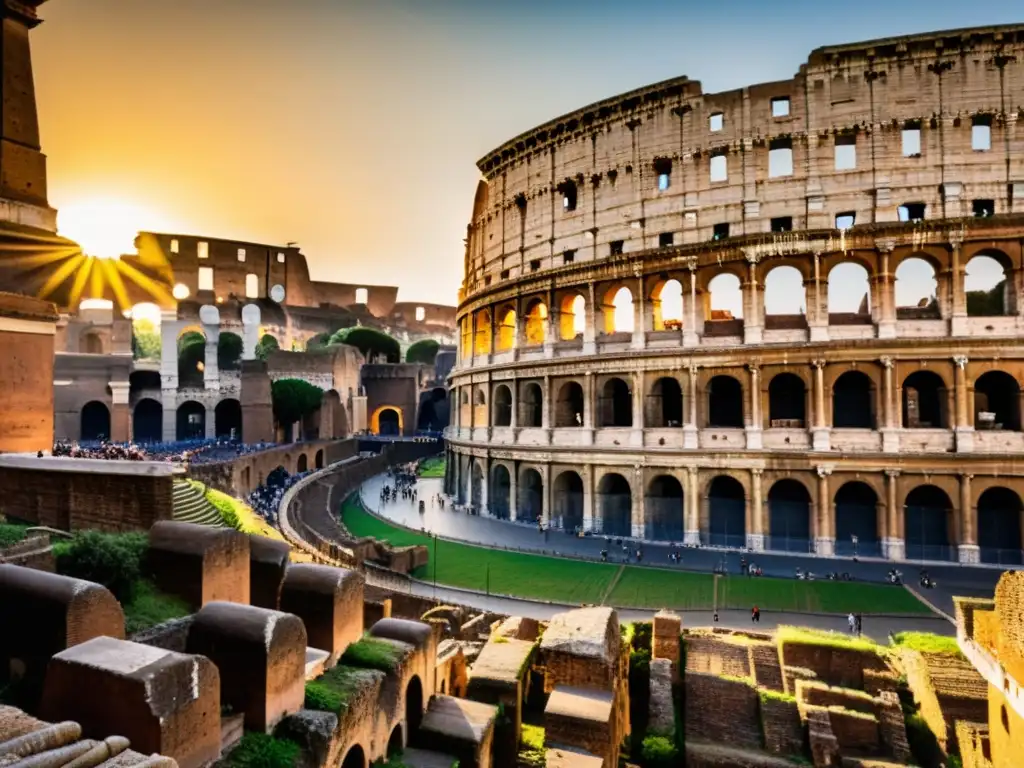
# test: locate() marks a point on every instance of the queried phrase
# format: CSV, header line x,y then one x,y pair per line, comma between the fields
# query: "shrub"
x,y
807,636
294,399
265,346
260,750
659,752
149,607
11,534
229,351
424,351
111,559
370,342
927,643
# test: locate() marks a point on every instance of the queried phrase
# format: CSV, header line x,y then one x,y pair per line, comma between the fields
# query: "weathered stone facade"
x,y
575,405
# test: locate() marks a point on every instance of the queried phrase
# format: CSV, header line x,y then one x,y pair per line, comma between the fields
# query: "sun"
x,y
105,228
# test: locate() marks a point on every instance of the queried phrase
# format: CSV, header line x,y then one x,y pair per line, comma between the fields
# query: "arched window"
x,y
536,322
615,505
506,330
927,517
789,511
665,404
849,294
531,405
95,422
252,286
572,317
916,290
569,405
482,340
999,526
725,402
997,401
618,311
667,306
785,297
725,298
853,401
568,501
502,406
531,496
92,344
726,513
501,487
924,401
787,401
856,509
616,405
663,509
987,289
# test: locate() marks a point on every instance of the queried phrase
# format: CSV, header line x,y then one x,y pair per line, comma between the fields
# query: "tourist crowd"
x,y
179,451
266,500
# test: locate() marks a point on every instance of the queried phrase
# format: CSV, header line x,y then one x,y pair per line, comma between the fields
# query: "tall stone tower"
x,y
22,163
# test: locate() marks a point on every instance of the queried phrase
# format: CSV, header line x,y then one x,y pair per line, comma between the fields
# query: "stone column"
x,y
550,327
514,415
958,323
639,324
893,542
691,324
120,413
757,531
211,372
753,325
587,474
963,428
589,406
690,435
546,494
513,493
545,409
753,428
885,296
691,532
590,324
890,434
638,499
824,534
821,434
819,291
968,551
636,435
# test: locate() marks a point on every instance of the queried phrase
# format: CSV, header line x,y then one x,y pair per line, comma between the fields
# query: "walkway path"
x,y
953,579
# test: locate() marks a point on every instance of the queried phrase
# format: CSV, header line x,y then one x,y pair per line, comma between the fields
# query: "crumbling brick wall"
x,y
716,656
766,667
823,743
722,709
843,667
891,726
947,689
32,552
1010,612
781,725
855,732
818,694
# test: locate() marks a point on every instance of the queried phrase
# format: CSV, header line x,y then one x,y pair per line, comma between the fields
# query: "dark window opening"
x,y
787,401
782,224
530,406
789,512
912,212
984,208
505,274
725,402
924,401
615,248
665,404
569,406
727,512
996,401
568,257
853,401
720,231
535,265
568,190
616,404
665,239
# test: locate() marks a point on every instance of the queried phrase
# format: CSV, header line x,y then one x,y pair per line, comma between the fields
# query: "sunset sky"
x,y
353,128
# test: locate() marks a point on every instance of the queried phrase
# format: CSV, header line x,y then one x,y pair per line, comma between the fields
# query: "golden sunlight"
x,y
105,229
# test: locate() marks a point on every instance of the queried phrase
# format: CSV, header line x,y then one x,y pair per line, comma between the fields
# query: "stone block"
x,y
461,728
568,758
666,631
48,614
582,648
582,718
268,560
518,627
199,564
330,603
662,721
161,701
261,656
499,676
418,634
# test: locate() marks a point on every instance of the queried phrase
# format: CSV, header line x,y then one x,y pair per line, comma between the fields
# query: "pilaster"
x,y
821,435
756,533
753,427
691,530
890,434
824,538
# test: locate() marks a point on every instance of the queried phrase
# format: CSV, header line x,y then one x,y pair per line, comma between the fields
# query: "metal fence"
x,y
1000,556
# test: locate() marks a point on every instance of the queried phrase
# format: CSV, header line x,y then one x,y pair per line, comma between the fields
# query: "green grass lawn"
x,y
579,581
432,467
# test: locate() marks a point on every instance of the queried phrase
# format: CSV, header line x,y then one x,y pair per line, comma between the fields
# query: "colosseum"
x,y
689,317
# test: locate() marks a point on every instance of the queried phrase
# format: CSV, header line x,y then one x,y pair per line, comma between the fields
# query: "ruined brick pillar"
x,y
27,330
257,409
665,642
120,412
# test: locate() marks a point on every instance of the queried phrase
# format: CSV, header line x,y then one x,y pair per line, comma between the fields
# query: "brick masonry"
x,y
723,710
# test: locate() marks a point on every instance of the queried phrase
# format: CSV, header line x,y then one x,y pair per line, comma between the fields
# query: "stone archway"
x,y
568,501
856,511
789,512
927,516
663,509
147,421
387,420
191,421
227,419
615,505
95,422
727,508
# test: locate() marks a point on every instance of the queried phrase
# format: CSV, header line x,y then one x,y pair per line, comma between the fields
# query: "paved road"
x,y
953,579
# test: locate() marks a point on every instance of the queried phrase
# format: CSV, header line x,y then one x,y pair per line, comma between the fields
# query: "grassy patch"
x,y
661,588
807,636
240,515
432,467
816,596
768,695
149,606
260,750
532,753
332,690
927,643
371,653
12,533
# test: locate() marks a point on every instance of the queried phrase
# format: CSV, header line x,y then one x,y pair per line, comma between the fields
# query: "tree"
x,y
318,342
987,303
146,343
229,351
423,351
191,354
294,399
370,342
265,346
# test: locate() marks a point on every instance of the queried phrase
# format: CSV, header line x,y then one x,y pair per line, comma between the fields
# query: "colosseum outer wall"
x,y
889,429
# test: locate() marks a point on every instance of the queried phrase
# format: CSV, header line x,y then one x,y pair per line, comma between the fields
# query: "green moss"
x,y
11,533
532,752
111,559
371,653
767,695
260,750
659,752
149,606
332,691
806,636
735,679
927,643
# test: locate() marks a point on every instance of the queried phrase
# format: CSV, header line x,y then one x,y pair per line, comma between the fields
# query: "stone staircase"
x,y
191,506
764,661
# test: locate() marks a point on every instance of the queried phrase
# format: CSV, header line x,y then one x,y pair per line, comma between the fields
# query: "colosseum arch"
x,y
569,404
354,758
505,336
723,303
568,501
302,463
665,299
191,421
857,511
227,418
664,406
147,421
787,401
785,297
387,420
724,402
988,282
572,316
530,504
789,516
530,410
615,505
853,401
726,512
616,309
500,492
929,524
615,404
501,406
916,289
477,493
999,527
850,298
466,329
94,422
536,325
482,333
925,401
663,509
997,397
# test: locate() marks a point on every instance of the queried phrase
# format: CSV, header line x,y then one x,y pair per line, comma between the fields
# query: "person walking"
x,y
852,621
859,623
755,615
